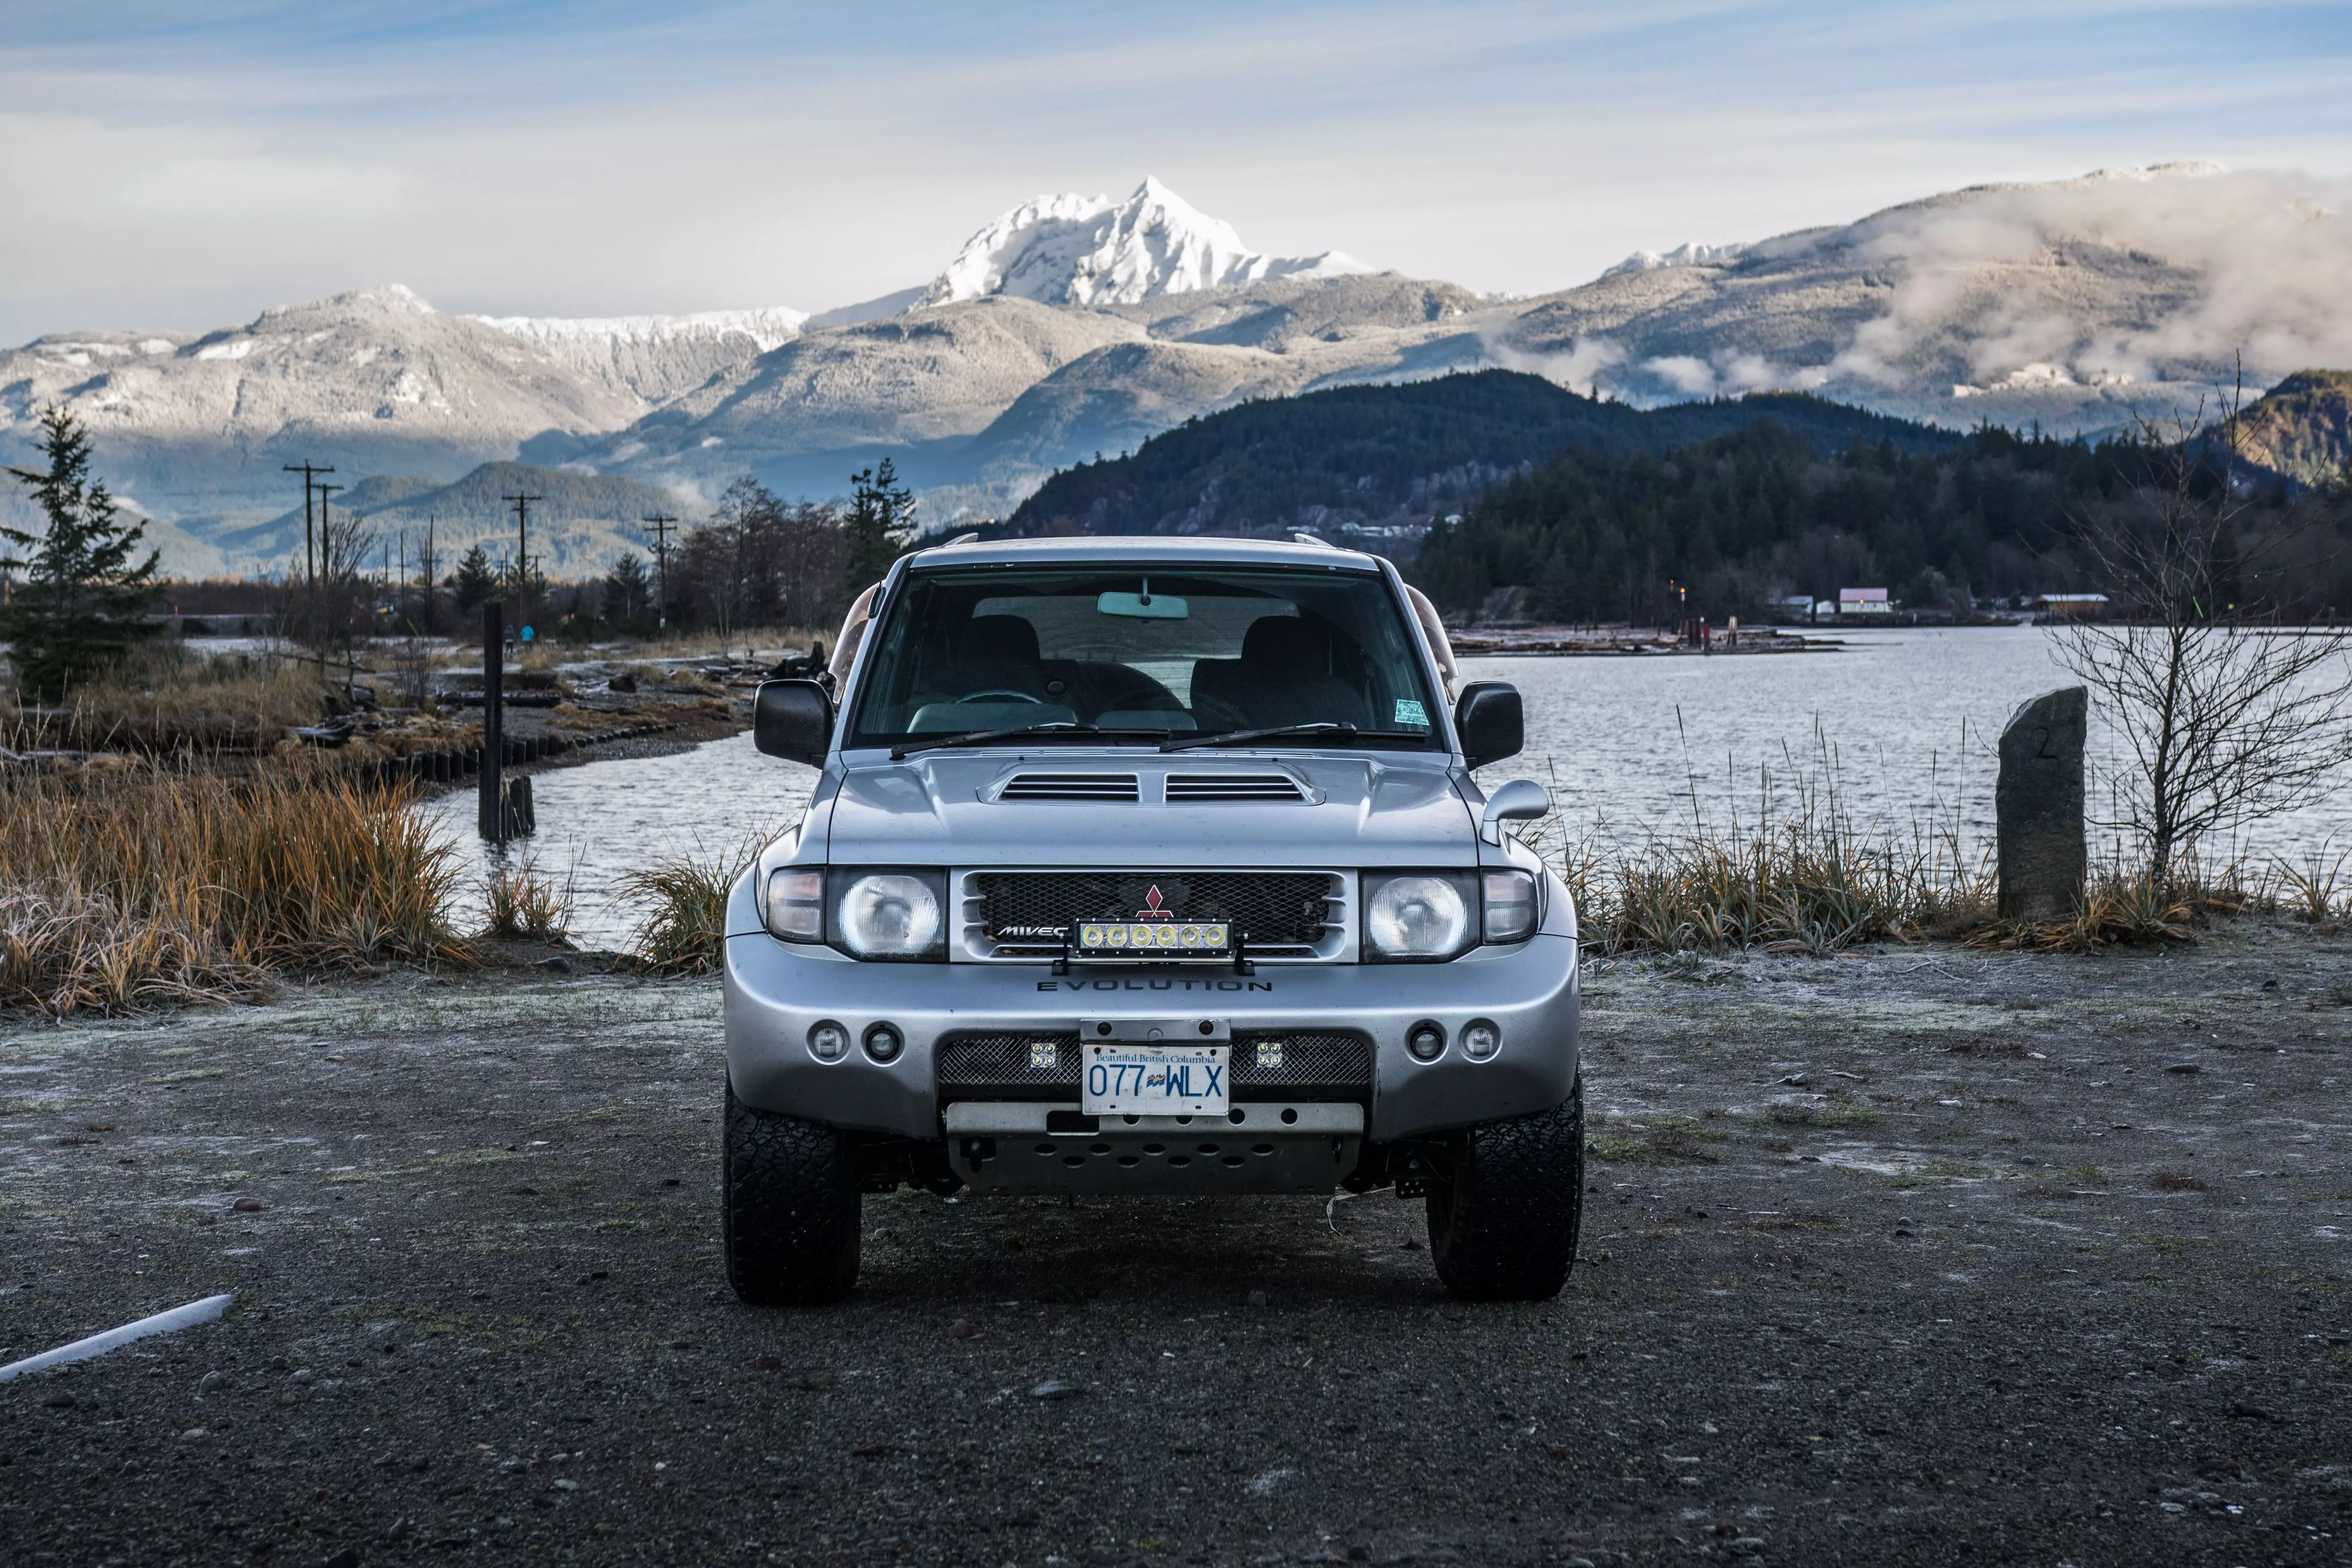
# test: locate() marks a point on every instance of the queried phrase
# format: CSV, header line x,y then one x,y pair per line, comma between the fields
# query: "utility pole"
x,y
309,472
522,545
661,524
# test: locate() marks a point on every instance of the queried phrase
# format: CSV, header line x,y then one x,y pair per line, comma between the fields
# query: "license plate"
x,y
1154,1081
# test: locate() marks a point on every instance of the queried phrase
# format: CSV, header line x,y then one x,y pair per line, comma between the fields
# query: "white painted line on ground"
x,y
186,1317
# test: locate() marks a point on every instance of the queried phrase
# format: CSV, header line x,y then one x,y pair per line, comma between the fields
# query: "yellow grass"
x,y
525,905
684,928
166,700
142,884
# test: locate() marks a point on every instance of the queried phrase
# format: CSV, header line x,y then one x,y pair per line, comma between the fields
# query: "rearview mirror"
x,y
1144,607
1488,722
792,720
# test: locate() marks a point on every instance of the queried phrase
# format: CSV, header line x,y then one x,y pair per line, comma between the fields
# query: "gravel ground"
x,y
1931,1256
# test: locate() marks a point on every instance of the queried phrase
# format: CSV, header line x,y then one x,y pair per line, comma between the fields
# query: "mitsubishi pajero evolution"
x,y
1150,866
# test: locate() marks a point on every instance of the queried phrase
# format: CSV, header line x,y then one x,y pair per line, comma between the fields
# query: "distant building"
x,y
1863,602
2071,606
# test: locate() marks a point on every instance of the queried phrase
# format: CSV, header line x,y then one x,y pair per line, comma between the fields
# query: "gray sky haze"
x,y
182,166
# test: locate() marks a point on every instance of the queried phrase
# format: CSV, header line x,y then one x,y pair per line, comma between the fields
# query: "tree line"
x,y
78,594
1733,524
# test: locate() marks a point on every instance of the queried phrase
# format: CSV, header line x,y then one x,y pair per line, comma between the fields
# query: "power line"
x,y
309,472
522,540
662,523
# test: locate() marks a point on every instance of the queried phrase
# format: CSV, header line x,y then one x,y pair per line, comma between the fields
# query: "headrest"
x,y
1009,638
1288,644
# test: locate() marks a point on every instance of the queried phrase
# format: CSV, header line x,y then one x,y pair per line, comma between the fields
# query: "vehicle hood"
x,y
947,808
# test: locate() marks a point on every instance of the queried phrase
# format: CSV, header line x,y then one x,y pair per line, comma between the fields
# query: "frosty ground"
x,y
1992,1283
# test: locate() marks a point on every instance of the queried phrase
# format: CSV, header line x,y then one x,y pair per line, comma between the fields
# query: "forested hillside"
x,y
1745,519
1404,453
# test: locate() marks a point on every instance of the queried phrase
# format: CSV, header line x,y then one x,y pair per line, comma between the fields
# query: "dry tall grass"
x,y
144,884
168,699
1814,886
525,905
685,898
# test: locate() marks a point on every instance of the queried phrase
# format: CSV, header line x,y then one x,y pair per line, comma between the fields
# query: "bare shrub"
x,y
2229,715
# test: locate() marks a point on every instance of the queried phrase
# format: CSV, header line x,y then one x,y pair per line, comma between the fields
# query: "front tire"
x,y
792,1208
1503,1226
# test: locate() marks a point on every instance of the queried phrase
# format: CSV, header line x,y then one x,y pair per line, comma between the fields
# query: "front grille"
x,y
1289,908
1187,788
1070,786
1295,1064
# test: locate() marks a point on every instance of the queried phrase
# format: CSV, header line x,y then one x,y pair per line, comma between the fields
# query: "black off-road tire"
x,y
1503,1227
792,1208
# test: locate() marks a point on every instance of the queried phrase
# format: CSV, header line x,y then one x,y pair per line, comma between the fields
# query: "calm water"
x,y
1900,725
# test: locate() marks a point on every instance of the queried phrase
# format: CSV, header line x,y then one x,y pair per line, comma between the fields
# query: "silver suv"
x,y
1150,866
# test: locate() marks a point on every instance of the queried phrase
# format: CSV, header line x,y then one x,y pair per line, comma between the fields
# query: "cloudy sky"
x,y
183,166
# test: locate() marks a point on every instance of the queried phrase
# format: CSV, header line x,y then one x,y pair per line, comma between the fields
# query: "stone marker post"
x,y
2039,806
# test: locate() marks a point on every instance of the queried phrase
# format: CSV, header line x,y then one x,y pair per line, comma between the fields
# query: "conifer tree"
x,y
881,518
83,604
628,590
475,580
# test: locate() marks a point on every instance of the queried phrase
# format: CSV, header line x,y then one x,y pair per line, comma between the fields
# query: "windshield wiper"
x,y
906,749
1282,731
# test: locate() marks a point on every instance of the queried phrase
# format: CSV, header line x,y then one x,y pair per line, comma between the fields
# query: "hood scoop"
x,y
1186,789
1116,787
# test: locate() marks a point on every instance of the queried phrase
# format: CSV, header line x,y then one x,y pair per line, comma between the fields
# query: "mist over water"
x,y
1899,727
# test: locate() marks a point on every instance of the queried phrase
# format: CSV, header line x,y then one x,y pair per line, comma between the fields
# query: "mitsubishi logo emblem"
x,y
1153,910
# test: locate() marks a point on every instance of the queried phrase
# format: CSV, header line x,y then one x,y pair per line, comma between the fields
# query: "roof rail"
x,y
962,539
1310,539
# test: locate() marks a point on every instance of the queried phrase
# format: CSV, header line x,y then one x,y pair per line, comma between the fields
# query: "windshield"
x,y
1181,653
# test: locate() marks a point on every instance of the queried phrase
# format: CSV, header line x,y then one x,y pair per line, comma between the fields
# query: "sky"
x,y
180,166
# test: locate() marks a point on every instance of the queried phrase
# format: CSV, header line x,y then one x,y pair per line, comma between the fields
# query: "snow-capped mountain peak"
x,y
1071,250
1688,254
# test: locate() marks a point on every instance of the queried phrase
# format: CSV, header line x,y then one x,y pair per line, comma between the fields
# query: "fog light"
x,y
1480,1039
883,1044
1426,1041
828,1041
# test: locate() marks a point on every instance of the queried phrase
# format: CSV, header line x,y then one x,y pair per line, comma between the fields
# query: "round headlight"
x,y
884,1042
828,1041
1480,1039
1426,1041
889,916
1417,917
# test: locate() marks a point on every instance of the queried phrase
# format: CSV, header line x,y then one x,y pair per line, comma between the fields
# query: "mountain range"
x,y
1074,326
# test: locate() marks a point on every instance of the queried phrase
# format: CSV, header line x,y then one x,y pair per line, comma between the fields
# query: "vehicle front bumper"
x,y
776,991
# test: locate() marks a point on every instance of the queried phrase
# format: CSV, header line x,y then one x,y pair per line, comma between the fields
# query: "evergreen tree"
x,y
476,579
83,603
628,590
881,520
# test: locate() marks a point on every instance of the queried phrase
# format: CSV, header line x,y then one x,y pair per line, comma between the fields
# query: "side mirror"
x,y
1489,721
1521,800
794,719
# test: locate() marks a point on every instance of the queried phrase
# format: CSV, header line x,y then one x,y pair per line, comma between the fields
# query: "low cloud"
x,y
1578,369
2004,279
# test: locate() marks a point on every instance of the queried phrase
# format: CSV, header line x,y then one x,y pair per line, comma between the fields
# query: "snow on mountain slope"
x,y
370,382
2077,303
655,357
1075,250
1690,253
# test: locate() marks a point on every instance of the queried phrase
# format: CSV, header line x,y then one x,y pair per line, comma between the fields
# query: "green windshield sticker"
x,y
1409,711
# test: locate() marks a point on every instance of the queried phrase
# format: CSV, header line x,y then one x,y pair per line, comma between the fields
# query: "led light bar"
x,y
1179,939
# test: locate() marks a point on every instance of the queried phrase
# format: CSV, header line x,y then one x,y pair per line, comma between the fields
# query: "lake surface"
x,y
1898,727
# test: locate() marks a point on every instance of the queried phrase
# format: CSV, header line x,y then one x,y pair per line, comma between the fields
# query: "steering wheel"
x,y
1004,695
